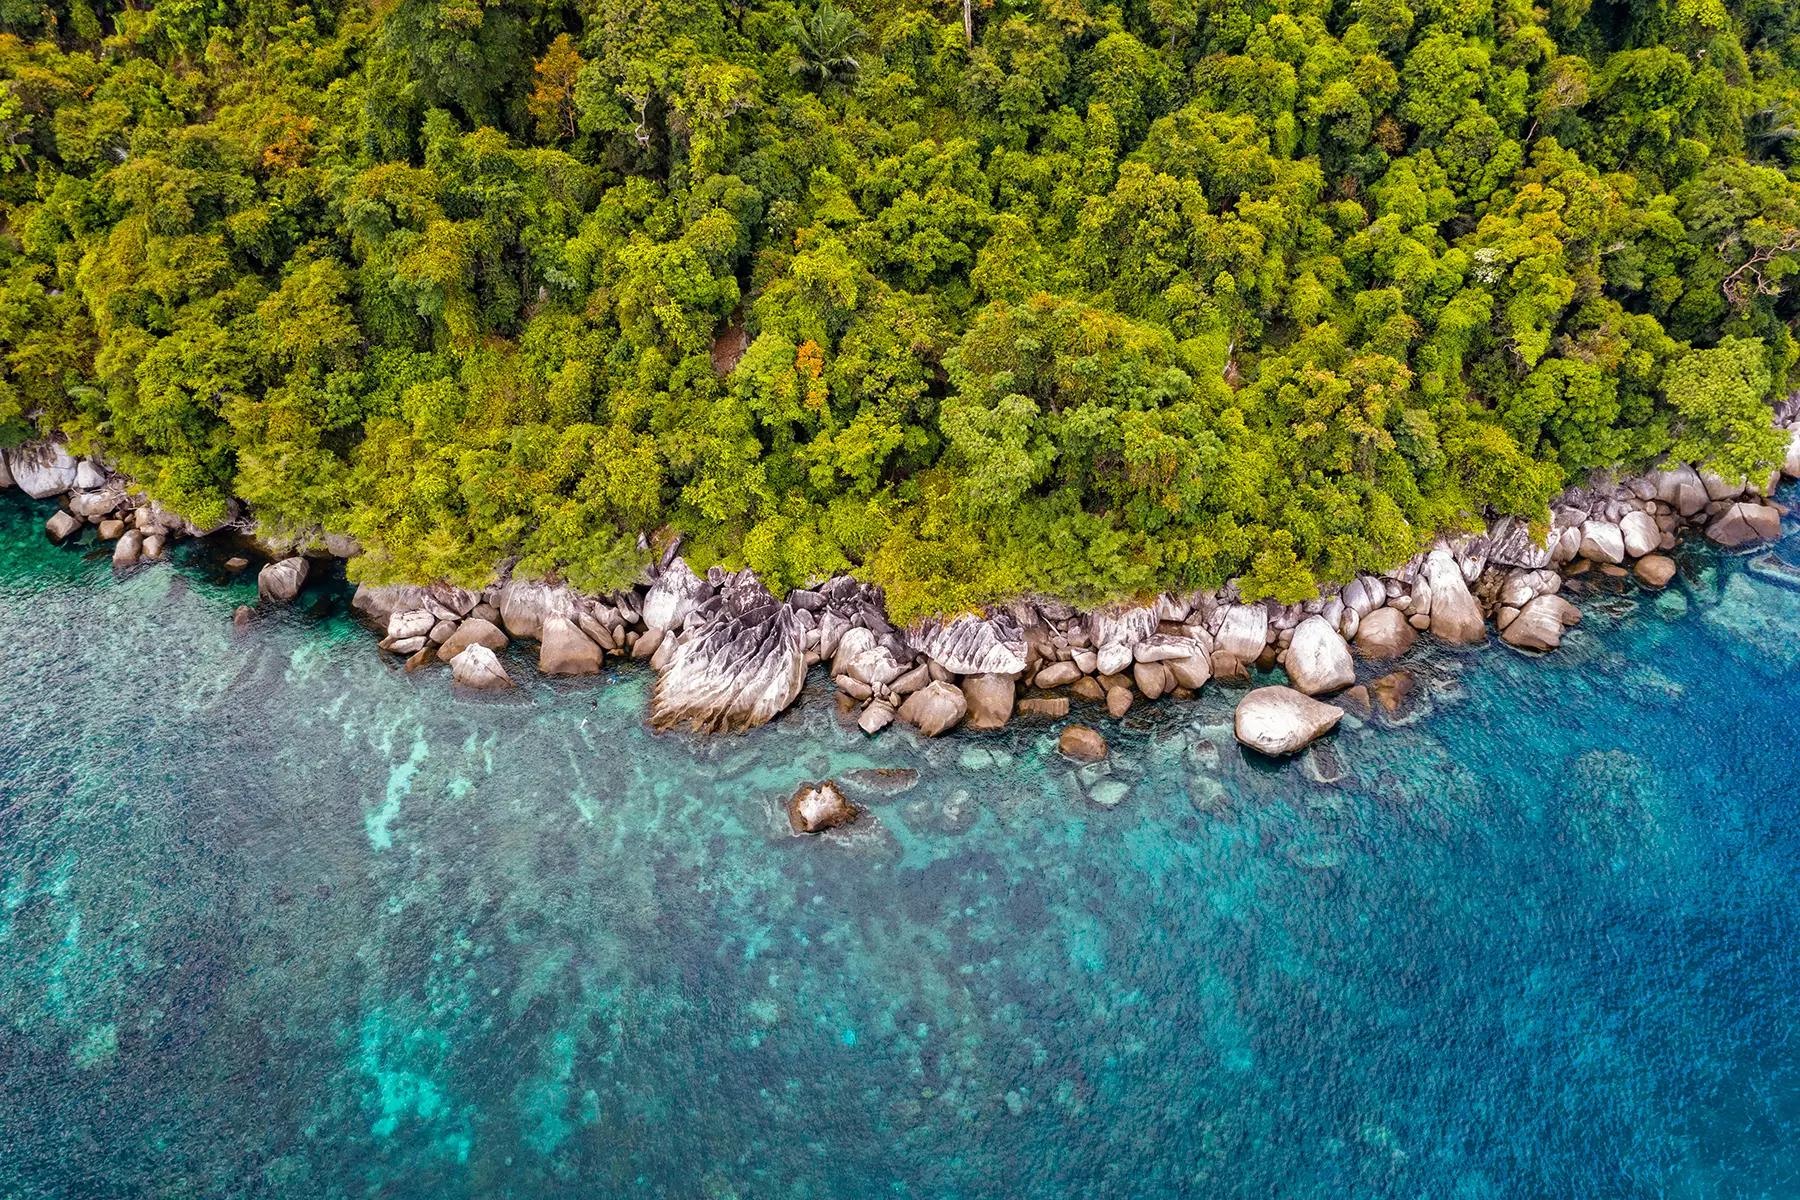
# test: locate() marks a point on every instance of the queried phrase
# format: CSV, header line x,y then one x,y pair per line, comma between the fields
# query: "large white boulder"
x,y
972,645
1280,720
1455,617
476,666
1244,633
1680,488
935,709
564,650
1640,534
675,593
525,604
1318,660
43,469
282,581
1602,542
1385,633
740,663
1539,625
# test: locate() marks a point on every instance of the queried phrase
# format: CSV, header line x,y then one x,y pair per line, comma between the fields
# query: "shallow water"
x,y
279,920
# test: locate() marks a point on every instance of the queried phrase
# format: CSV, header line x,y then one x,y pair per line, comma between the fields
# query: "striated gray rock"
x,y
1244,633
674,593
473,632
972,645
1119,627
1539,625
817,807
861,655
89,475
1280,720
1455,617
935,709
1317,660
1385,633
42,470
1744,523
61,526
989,698
282,581
476,666
741,662
525,604
1510,544
564,650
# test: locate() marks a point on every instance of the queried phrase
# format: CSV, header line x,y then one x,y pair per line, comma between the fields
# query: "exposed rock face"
x,y
817,807
1455,617
1744,523
741,661
1193,671
525,604
1385,633
1317,660
1640,534
1244,633
1280,720
564,650
876,717
971,645
1510,544
97,503
1082,744
990,700
1655,570
935,709
675,593
89,475
1539,625
412,622
1057,675
1162,647
1120,627
61,526
442,600
476,666
1151,679
42,470
472,632
1602,542
282,581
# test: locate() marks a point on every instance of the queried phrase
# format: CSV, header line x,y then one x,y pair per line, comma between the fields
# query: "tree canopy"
x,y
1079,298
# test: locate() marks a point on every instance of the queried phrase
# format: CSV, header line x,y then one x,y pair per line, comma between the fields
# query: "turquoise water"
x,y
279,920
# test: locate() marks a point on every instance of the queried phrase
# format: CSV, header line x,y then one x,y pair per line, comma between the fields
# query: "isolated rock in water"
x,y
1639,531
1082,744
61,526
473,632
1655,570
971,645
1539,625
990,700
129,549
282,581
740,663
1385,633
1744,523
1317,659
564,650
476,666
675,592
42,470
935,709
817,807
525,604
1455,617
1245,632
1680,488
1280,720
1602,542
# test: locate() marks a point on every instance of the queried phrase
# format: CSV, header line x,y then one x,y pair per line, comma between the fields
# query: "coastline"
x,y
729,656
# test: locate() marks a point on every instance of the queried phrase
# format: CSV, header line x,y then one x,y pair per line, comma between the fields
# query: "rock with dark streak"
x,y
740,663
42,470
674,593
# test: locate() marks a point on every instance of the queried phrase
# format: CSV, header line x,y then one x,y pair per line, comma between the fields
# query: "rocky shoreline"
x,y
729,656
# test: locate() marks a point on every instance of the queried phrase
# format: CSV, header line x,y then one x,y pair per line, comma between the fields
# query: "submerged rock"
x,y
1082,744
282,581
741,661
476,666
882,781
62,526
817,807
972,645
1280,720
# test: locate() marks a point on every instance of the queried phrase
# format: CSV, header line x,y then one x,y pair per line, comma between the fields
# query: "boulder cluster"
x,y
730,656
89,494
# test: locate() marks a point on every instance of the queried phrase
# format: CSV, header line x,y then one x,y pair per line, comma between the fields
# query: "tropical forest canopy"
x,y
971,299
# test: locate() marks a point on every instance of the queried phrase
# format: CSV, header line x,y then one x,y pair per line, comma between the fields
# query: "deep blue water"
x,y
278,920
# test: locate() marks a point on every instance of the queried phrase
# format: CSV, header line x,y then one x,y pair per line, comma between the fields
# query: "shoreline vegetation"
x,y
1056,298
729,656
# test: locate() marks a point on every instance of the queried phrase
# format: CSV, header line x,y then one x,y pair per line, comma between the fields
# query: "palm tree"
x,y
823,43
1769,133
